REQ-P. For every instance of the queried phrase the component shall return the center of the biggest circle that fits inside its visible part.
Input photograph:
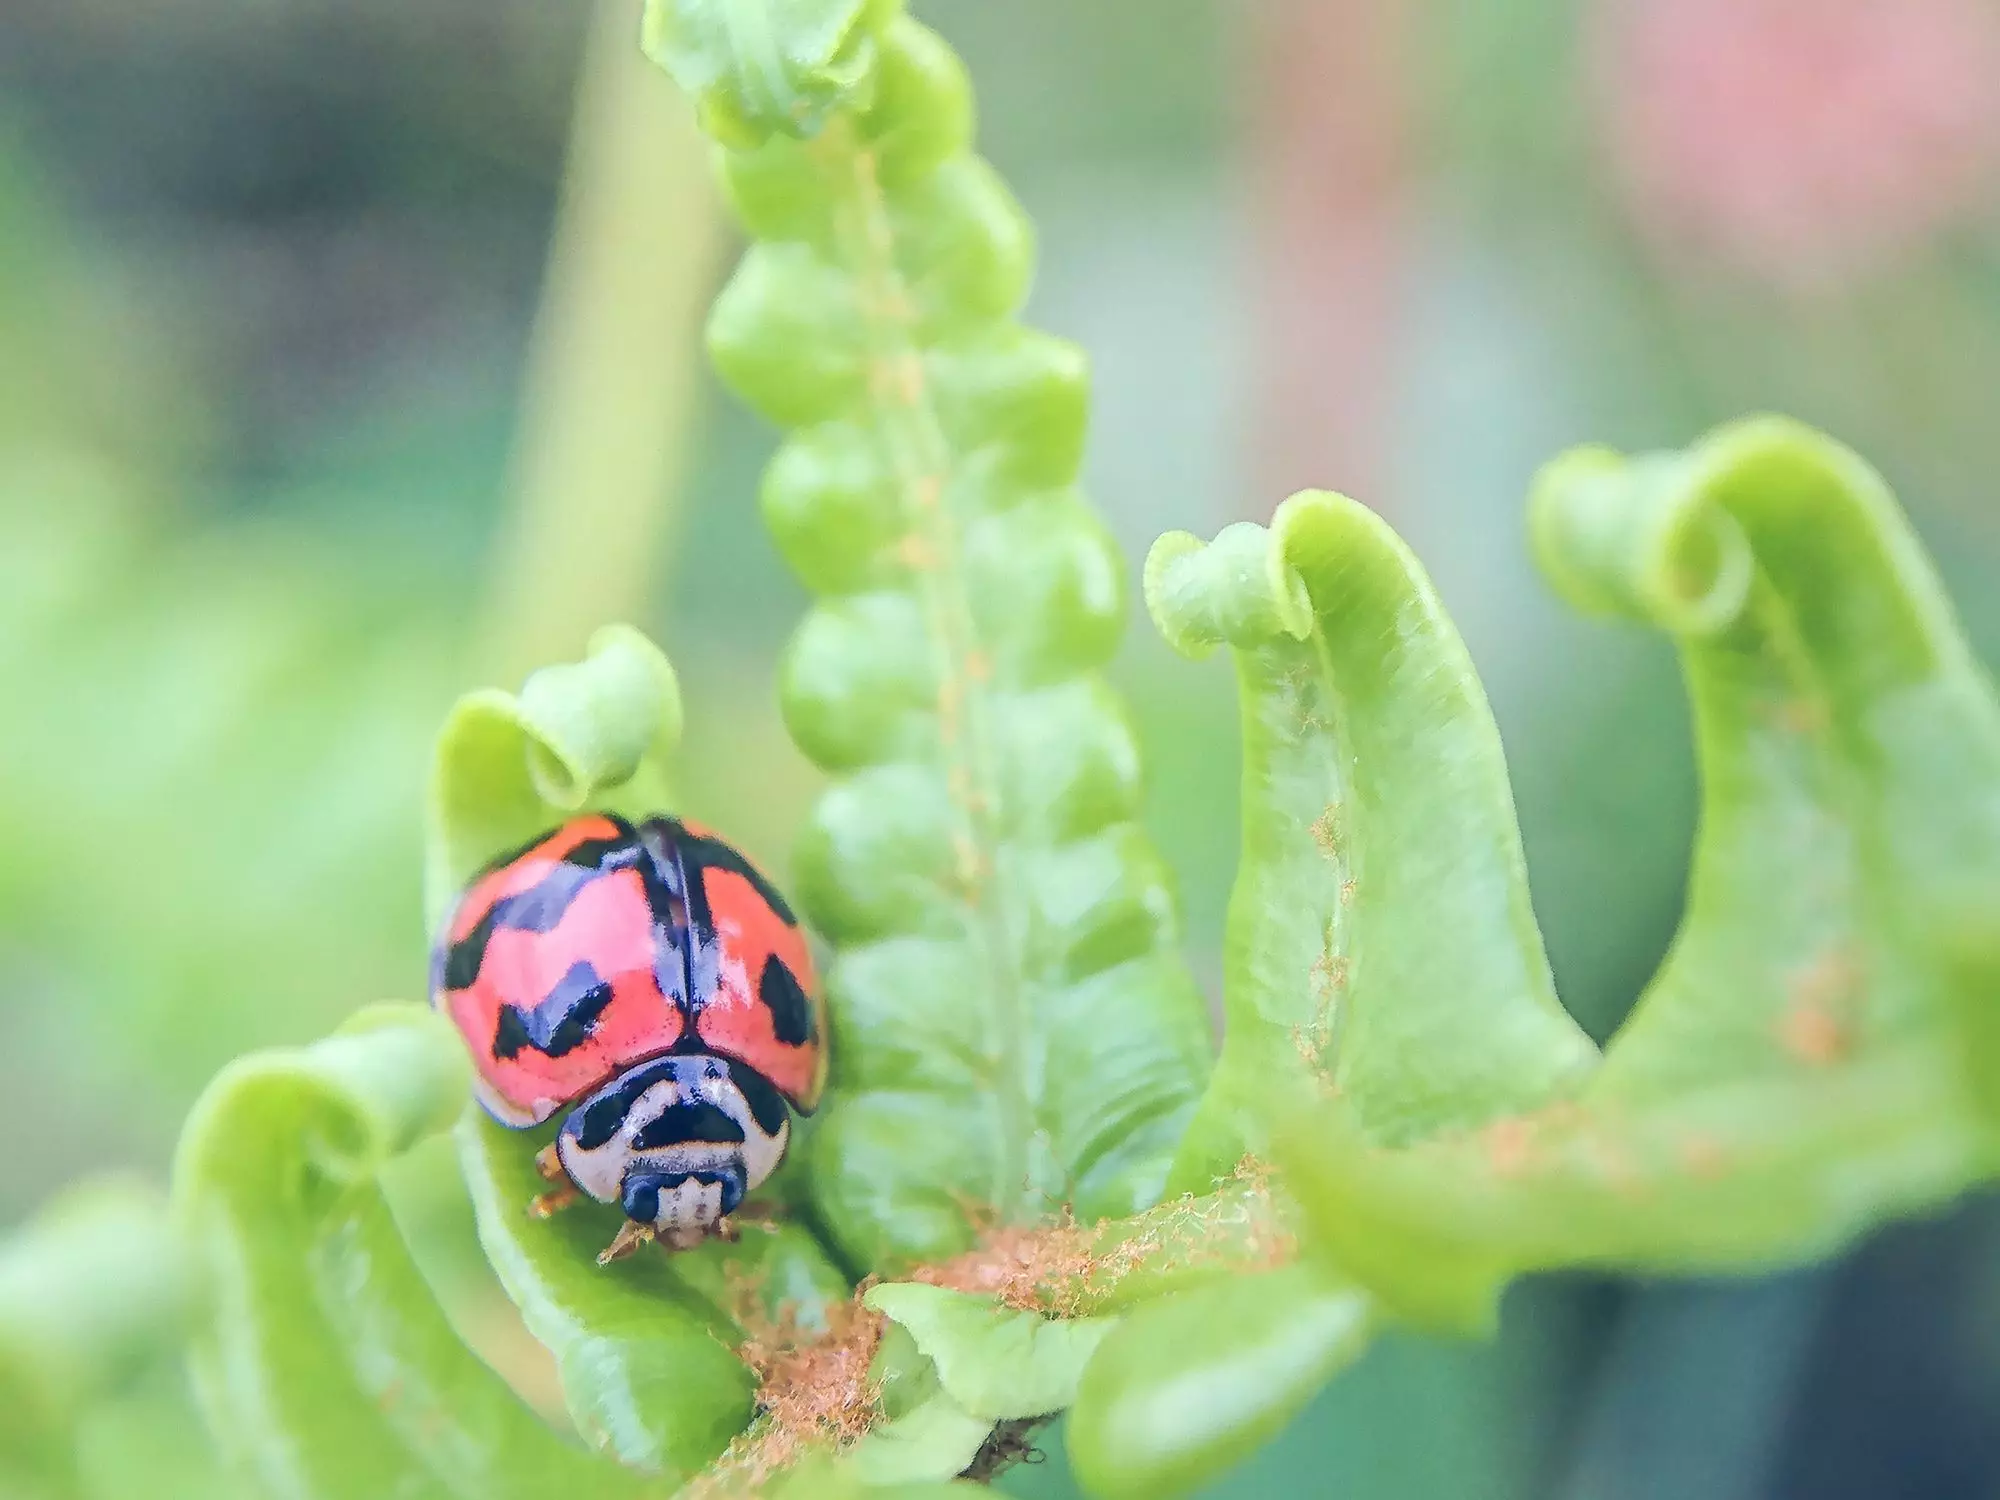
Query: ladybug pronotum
(651, 982)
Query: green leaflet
(1012, 1027)
(952, 1365)
(646, 1367)
(935, 1439)
(1794, 1074)
(326, 1367)
(91, 1292)
(755, 67)
(644, 1348)
(1189, 1385)
(1380, 941)
(995, 1362)
(1850, 750)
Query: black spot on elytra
(462, 961)
(560, 1023)
(540, 908)
(791, 1013)
(622, 834)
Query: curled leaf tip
(1237, 590)
(337, 1109)
(588, 730)
(322, 1358)
(507, 766)
(1632, 537)
(1792, 1075)
(1376, 814)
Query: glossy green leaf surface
(935, 1439)
(647, 1367)
(1380, 943)
(1797, 1070)
(1189, 1385)
(994, 1361)
(644, 1347)
(1013, 1030)
(325, 1365)
(1849, 745)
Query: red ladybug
(651, 982)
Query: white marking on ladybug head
(674, 1142)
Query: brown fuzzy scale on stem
(814, 1394)
(1069, 1270)
(817, 1392)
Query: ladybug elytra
(651, 982)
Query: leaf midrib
(904, 410)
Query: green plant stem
(611, 383)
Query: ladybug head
(676, 1142)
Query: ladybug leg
(629, 1238)
(727, 1230)
(548, 1205)
(549, 1167)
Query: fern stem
(904, 414)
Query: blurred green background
(348, 358)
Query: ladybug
(652, 983)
